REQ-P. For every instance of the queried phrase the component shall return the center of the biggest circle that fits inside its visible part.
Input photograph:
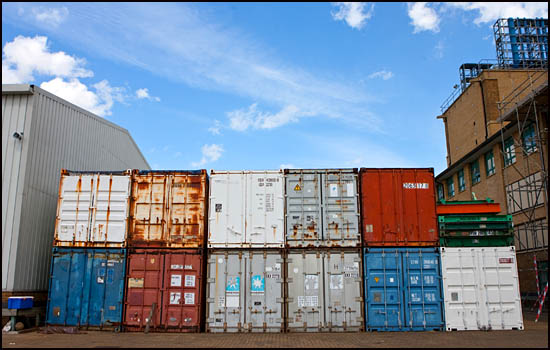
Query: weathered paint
(246, 209)
(481, 288)
(86, 287)
(324, 290)
(173, 279)
(168, 209)
(245, 291)
(322, 208)
(92, 210)
(403, 289)
(398, 207)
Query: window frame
(524, 136)
(490, 170)
(461, 181)
(450, 181)
(440, 195)
(509, 151)
(472, 175)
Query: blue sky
(259, 86)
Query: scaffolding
(521, 42)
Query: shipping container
(86, 287)
(246, 209)
(481, 288)
(322, 208)
(398, 207)
(245, 291)
(168, 209)
(92, 209)
(403, 289)
(171, 281)
(324, 290)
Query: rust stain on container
(168, 209)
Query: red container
(398, 207)
(170, 278)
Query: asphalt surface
(535, 335)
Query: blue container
(20, 302)
(86, 287)
(403, 289)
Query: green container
(475, 222)
(476, 241)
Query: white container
(92, 210)
(246, 209)
(481, 288)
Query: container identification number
(416, 185)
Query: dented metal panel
(324, 290)
(398, 207)
(322, 208)
(481, 288)
(172, 279)
(246, 209)
(245, 291)
(168, 209)
(92, 210)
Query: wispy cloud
(424, 18)
(489, 12)
(385, 75)
(50, 16)
(210, 153)
(355, 14)
(191, 47)
(144, 94)
(243, 119)
(215, 130)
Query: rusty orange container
(168, 209)
(398, 207)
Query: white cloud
(381, 74)
(210, 153)
(24, 56)
(99, 102)
(50, 16)
(354, 13)
(144, 94)
(215, 130)
(423, 17)
(243, 119)
(489, 12)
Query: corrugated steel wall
(57, 135)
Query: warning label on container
(175, 281)
(189, 298)
(175, 298)
(297, 188)
(135, 282)
(416, 185)
(189, 280)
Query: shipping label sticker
(188, 267)
(333, 190)
(368, 228)
(311, 282)
(257, 285)
(505, 260)
(336, 282)
(175, 298)
(297, 188)
(175, 281)
(349, 190)
(391, 279)
(189, 280)
(189, 298)
(135, 282)
(233, 285)
(100, 279)
(176, 267)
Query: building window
(440, 194)
(528, 138)
(509, 152)
(474, 172)
(461, 182)
(450, 187)
(489, 163)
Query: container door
(384, 285)
(226, 297)
(343, 291)
(73, 212)
(422, 285)
(110, 209)
(264, 297)
(182, 294)
(265, 210)
(340, 209)
(305, 292)
(303, 209)
(464, 308)
(499, 281)
(144, 284)
(66, 287)
(149, 210)
(227, 210)
(187, 210)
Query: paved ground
(535, 335)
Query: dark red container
(170, 278)
(398, 207)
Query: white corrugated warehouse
(41, 134)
